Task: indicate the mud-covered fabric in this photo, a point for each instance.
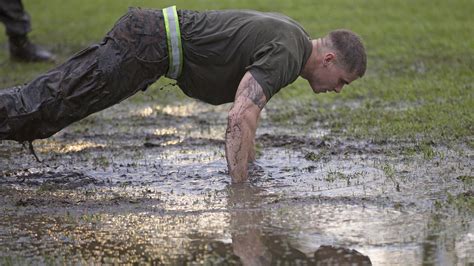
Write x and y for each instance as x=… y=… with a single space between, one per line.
x=15 y=18
x=131 y=57
x=220 y=46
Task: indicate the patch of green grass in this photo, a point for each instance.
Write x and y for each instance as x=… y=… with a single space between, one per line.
x=47 y=187
x=332 y=176
x=390 y=173
x=408 y=151
x=388 y=170
x=312 y=156
x=102 y=161
x=336 y=175
x=258 y=150
x=427 y=122
x=462 y=201
x=467 y=180
x=8 y=260
x=427 y=150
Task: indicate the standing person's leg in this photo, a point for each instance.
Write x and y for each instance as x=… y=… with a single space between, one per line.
x=15 y=18
x=17 y=23
x=131 y=57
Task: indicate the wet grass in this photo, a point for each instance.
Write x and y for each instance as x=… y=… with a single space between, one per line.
x=467 y=180
x=418 y=87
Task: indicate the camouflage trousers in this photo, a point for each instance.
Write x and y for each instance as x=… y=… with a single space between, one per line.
x=14 y=16
x=132 y=56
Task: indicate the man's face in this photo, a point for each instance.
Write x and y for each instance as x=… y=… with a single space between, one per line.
x=329 y=76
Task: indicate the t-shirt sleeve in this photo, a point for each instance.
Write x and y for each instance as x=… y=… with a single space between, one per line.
x=274 y=67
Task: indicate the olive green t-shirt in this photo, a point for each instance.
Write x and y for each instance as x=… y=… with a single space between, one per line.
x=220 y=46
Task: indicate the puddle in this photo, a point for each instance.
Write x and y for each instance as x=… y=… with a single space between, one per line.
x=143 y=183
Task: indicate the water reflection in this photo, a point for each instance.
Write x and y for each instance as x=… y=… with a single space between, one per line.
x=174 y=206
x=249 y=228
x=255 y=244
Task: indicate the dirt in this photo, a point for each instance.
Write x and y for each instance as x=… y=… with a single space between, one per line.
x=148 y=183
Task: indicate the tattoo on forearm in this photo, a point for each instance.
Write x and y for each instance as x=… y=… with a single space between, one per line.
x=242 y=122
x=255 y=93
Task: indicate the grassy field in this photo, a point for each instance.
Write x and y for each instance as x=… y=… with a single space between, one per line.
x=419 y=83
x=384 y=168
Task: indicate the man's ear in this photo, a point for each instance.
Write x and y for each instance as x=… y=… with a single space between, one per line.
x=328 y=57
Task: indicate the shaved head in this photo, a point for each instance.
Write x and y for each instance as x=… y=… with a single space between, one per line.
x=349 y=49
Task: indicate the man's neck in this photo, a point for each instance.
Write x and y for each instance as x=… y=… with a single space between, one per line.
x=311 y=62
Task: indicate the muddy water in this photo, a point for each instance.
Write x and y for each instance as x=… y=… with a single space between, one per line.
x=148 y=183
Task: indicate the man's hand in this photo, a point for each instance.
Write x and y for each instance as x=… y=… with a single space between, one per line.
x=241 y=127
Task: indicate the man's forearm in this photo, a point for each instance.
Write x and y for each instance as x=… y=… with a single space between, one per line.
x=240 y=136
x=241 y=127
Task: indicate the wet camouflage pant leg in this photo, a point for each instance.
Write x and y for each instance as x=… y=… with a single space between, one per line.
x=131 y=57
x=14 y=16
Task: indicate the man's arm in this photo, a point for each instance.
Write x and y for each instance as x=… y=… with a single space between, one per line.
x=241 y=127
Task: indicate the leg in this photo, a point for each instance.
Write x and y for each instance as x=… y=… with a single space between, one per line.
x=17 y=23
x=130 y=58
x=13 y=15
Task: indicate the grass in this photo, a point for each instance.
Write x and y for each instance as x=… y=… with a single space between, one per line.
x=418 y=87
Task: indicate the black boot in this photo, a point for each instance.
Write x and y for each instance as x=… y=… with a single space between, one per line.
x=21 y=49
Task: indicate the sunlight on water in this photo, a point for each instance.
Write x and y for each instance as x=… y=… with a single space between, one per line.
x=57 y=147
x=165 y=131
x=244 y=220
x=143 y=112
x=189 y=108
x=148 y=190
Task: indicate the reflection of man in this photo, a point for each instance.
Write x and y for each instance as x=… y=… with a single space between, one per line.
x=246 y=217
x=329 y=255
x=17 y=23
x=255 y=246
x=244 y=57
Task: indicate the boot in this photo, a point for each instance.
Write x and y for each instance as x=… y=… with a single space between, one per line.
x=21 y=49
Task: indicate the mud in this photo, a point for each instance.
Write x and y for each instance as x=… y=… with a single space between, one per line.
x=144 y=182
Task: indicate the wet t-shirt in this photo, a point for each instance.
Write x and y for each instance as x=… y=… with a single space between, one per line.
x=220 y=46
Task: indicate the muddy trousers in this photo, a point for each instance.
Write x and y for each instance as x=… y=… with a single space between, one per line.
x=132 y=56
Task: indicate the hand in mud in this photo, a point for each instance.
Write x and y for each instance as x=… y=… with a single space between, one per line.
x=255 y=170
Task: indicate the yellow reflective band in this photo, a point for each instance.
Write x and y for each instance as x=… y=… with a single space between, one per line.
x=173 y=37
